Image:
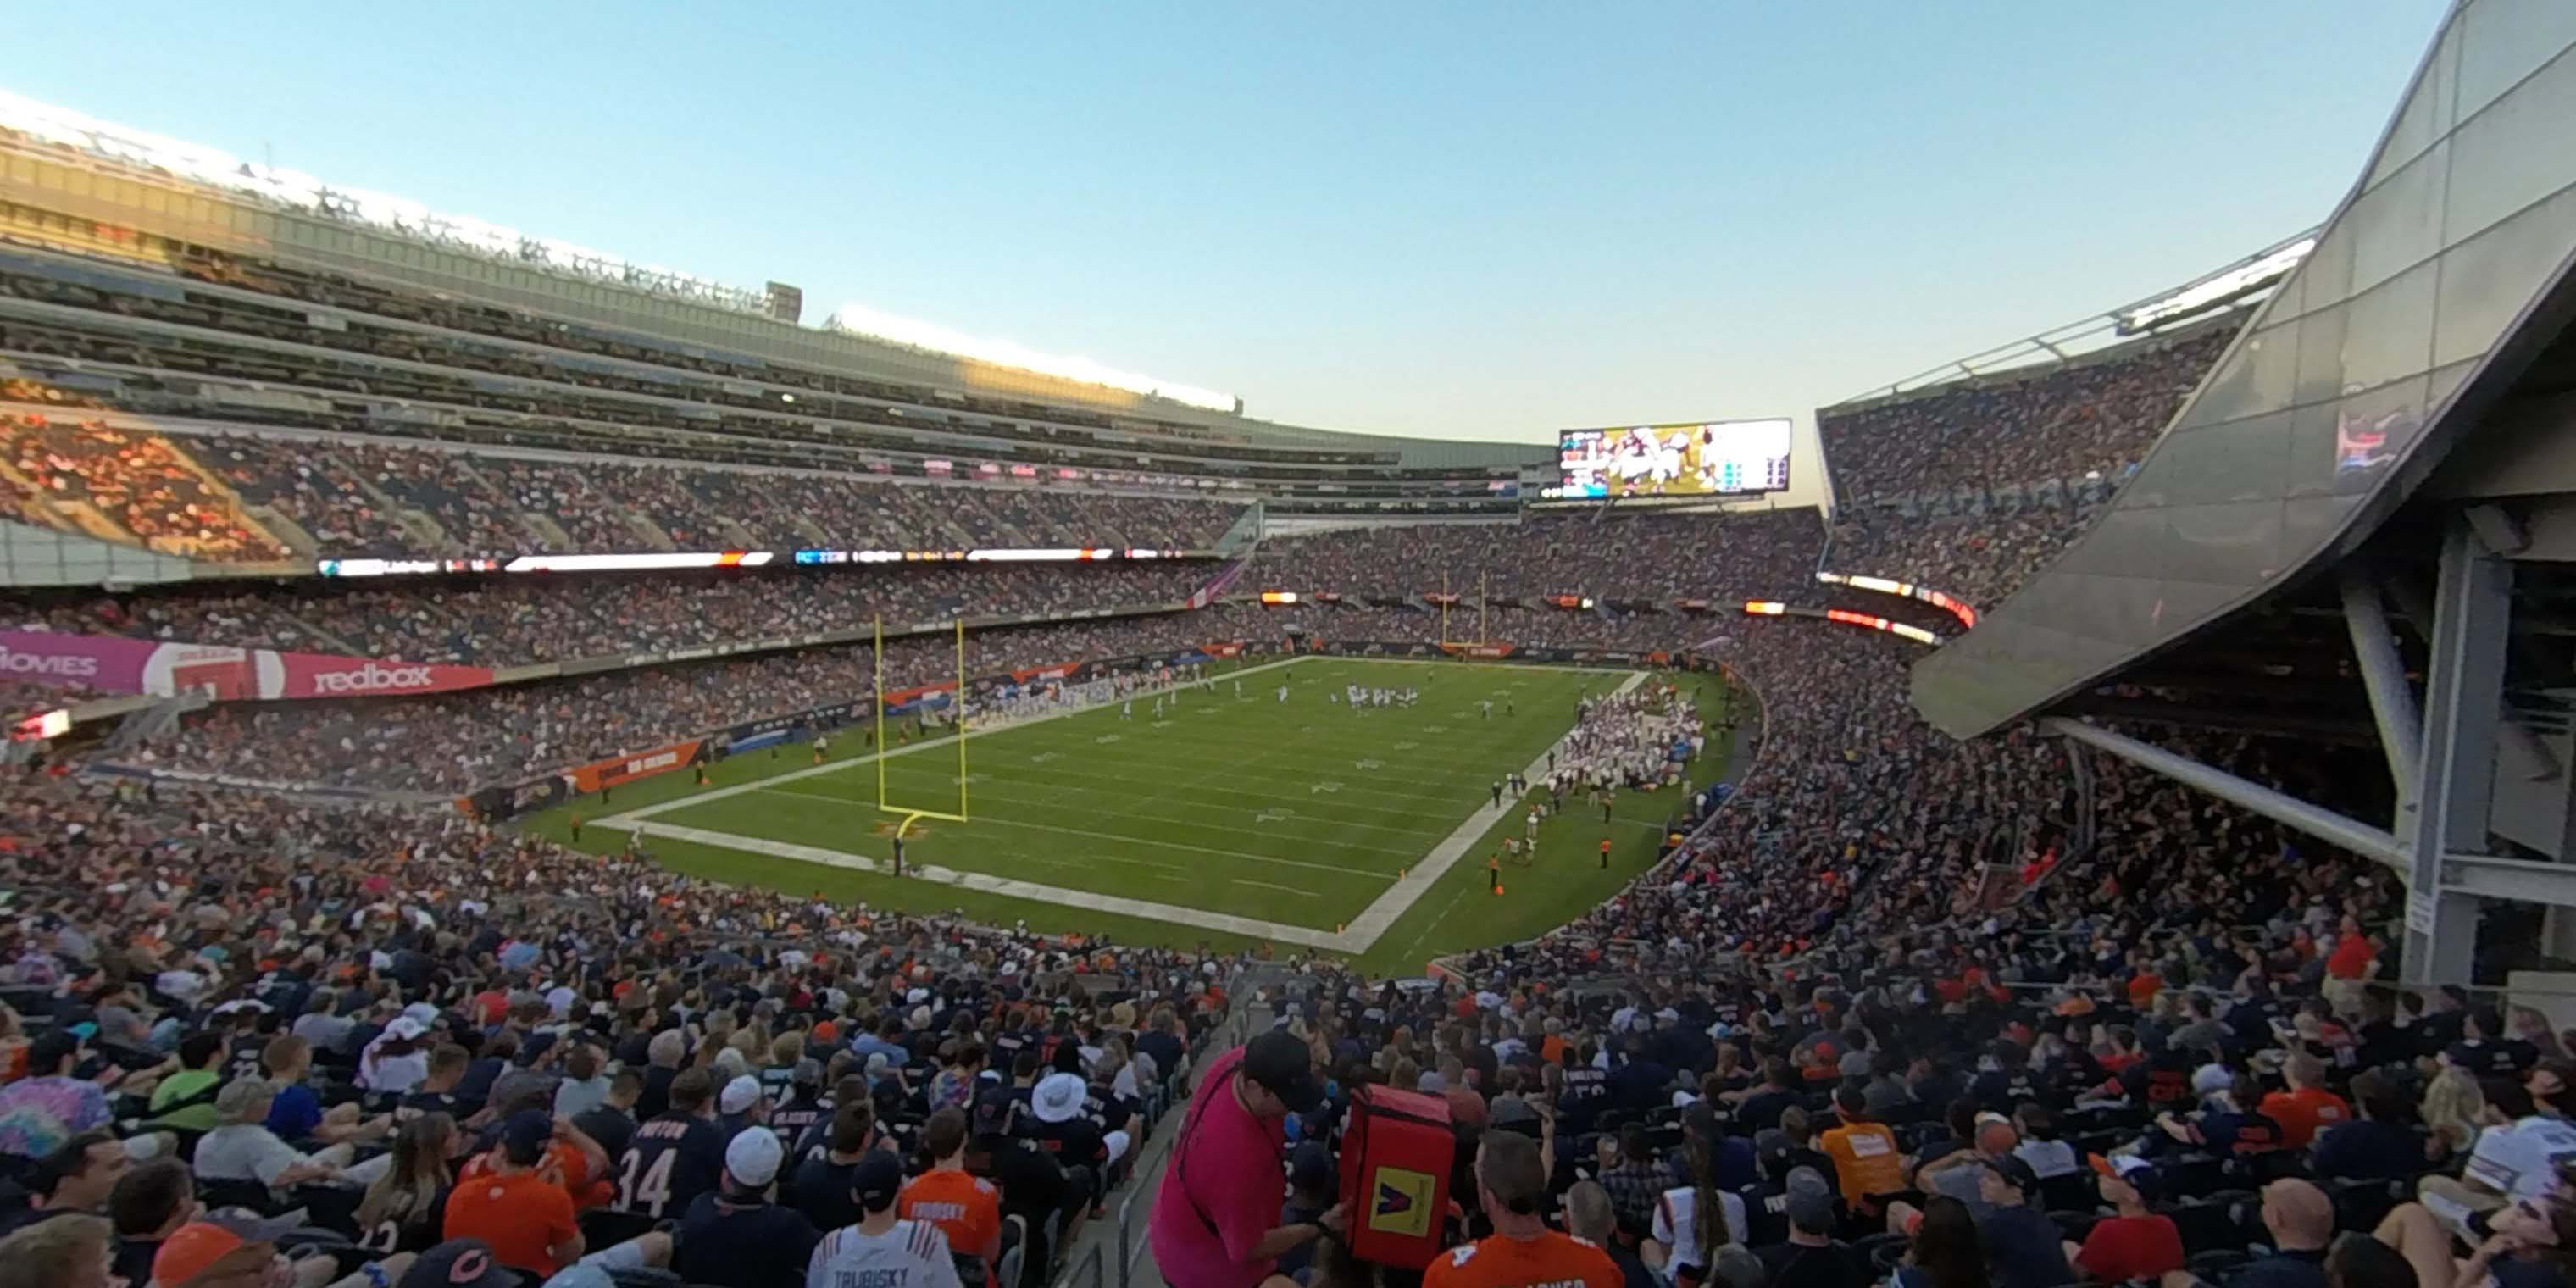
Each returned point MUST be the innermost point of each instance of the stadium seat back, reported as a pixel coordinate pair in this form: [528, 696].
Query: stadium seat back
[238, 1194]
[603, 1227]
[2073, 1192]
[2206, 1226]
[329, 1207]
[2193, 1175]
[2361, 1204]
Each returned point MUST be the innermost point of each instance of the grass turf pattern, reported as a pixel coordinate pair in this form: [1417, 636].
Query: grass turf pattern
[1299, 813]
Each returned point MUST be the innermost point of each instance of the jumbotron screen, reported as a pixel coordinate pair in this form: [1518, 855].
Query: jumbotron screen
[1709, 458]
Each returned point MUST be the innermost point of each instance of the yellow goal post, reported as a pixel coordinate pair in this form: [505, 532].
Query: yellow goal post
[957, 720]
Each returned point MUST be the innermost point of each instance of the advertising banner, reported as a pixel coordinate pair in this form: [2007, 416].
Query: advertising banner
[113, 664]
[117, 664]
[626, 769]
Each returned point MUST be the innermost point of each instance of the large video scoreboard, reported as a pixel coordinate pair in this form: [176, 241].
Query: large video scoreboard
[1704, 458]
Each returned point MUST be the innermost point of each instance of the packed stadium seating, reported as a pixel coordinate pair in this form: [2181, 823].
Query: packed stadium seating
[378, 499]
[1631, 557]
[1978, 558]
[2099, 414]
[508, 621]
[2105, 963]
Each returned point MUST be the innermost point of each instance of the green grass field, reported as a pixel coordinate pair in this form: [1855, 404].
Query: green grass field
[1298, 815]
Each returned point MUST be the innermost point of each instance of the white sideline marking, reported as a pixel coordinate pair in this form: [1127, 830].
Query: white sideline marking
[621, 822]
[1360, 934]
[1398, 898]
[989, 884]
[1196, 823]
[1137, 840]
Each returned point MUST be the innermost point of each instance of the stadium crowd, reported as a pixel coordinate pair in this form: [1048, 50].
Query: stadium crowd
[1999, 1014]
[1977, 558]
[2100, 413]
[220, 1000]
[508, 621]
[375, 498]
[482, 737]
[83, 477]
[1608, 556]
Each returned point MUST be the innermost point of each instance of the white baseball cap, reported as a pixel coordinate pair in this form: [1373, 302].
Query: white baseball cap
[739, 1095]
[752, 1159]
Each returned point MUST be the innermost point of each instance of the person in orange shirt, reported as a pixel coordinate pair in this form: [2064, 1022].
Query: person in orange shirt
[1867, 1160]
[573, 1161]
[966, 1208]
[1511, 1183]
[2144, 986]
[2306, 1107]
[524, 1215]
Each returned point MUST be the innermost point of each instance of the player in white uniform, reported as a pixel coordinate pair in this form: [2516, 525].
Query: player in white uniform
[1668, 464]
[1283, 695]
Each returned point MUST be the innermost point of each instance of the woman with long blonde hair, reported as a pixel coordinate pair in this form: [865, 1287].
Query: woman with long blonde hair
[2451, 1107]
[406, 1208]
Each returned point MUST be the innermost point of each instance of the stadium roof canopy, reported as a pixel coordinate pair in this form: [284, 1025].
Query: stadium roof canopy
[2374, 488]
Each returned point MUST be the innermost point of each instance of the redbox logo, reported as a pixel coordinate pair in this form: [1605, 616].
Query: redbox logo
[65, 665]
[371, 677]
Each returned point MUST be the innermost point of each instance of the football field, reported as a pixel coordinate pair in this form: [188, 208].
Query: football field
[1234, 817]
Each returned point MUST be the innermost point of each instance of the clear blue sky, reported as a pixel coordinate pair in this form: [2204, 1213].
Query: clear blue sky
[1464, 220]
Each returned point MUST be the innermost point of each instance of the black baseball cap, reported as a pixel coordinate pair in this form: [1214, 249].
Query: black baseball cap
[993, 1114]
[878, 1178]
[1280, 1062]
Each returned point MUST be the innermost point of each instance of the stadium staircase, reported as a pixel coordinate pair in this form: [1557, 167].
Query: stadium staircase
[144, 725]
[422, 526]
[734, 535]
[549, 534]
[283, 528]
[1113, 1253]
[647, 531]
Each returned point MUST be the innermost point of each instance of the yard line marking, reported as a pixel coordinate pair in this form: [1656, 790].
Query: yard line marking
[1434, 923]
[1249, 927]
[1363, 931]
[1138, 840]
[1302, 894]
[623, 822]
[1127, 810]
[989, 796]
[1358, 936]
[1157, 767]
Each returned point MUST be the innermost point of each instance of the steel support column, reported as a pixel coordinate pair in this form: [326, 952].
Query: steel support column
[2455, 776]
[2519, 880]
[2289, 811]
[2392, 699]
